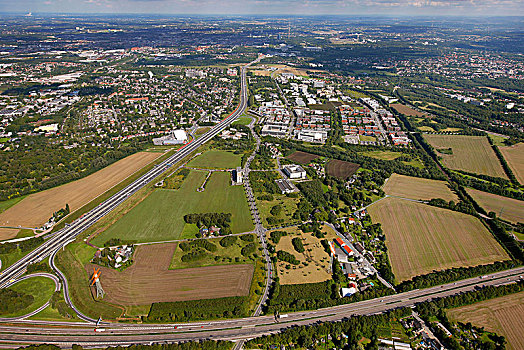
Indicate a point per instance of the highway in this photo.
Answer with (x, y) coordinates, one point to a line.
(70, 232)
(64, 334)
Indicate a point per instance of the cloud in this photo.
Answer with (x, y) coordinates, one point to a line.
(312, 7)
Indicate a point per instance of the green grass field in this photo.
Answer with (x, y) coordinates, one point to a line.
(160, 216)
(50, 314)
(41, 288)
(384, 155)
(242, 121)
(289, 206)
(4, 205)
(11, 258)
(216, 159)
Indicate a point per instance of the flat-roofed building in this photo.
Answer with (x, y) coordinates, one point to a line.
(294, 171)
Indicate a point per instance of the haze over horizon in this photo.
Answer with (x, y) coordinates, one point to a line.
(271, 7)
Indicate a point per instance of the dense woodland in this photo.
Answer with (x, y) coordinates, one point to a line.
(12, 301)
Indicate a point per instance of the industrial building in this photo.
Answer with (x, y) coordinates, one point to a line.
(177, 137)
(285, 186)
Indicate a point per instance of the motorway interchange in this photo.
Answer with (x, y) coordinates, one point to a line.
(22, 332)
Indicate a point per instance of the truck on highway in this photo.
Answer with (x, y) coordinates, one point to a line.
(100, 330)
(283, 316)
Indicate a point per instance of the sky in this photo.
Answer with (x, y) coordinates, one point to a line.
(280, 7)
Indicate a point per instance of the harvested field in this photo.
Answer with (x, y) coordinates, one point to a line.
(502, 315)
(418, 188)
(406, 110)
(469, 153)
(149, 279)
(317, 259)
(302, 157)
(421, 238)
(341, 169)
(511, 209)
(514, 155)
(41, 205)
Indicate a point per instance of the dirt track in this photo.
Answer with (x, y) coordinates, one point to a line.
(149, 279)
(37, 208)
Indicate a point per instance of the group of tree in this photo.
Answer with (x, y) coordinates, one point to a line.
(24, 246)
(12, 301)
(191, 310)
(221, 220)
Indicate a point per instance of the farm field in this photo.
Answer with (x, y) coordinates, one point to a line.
(222, 256)
(317, 259)
(302, 157)
(41, 205)
(514, 155)
(341, 169)
(418, 188)
(403, 109)
(216, 159)
(512, 209)
(502, 315)
(470, 153)
(420, 239)
(41, 288)
(383, 155)
(160, 216)
(149, 279)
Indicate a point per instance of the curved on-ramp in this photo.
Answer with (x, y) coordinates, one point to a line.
(23, 278)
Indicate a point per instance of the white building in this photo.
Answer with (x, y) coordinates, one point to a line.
(294, 171)
(238, 176)
(177, 137)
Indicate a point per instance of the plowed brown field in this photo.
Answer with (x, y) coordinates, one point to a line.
(302, 157)
(149, 279)
(407, 110)
(37, 208)
(341, 169)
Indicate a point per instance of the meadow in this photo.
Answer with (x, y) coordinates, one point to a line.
(160, 216)
(41, 288)
(216, 159)
(314, 261)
